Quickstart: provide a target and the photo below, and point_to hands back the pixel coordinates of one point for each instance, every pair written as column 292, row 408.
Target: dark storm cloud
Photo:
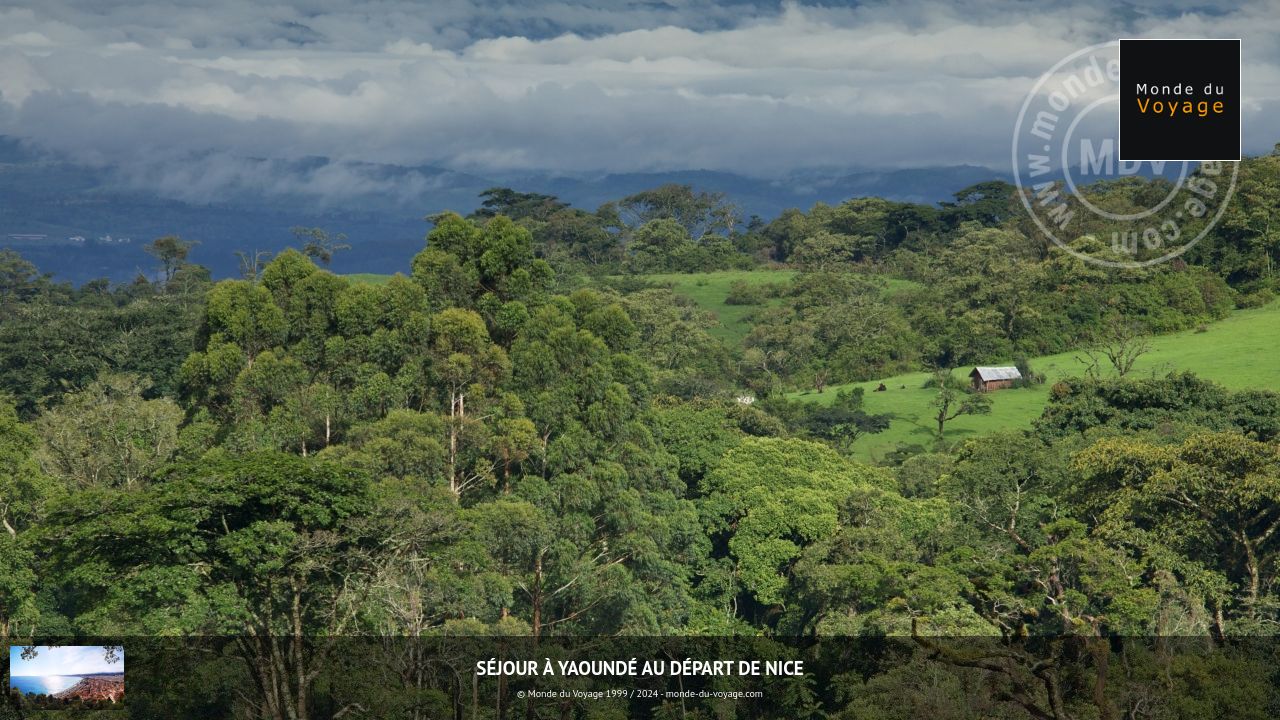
column 751, row 87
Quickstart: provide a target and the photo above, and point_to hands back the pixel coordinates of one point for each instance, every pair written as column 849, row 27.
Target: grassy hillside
column 1238, row 352
column 709, row 290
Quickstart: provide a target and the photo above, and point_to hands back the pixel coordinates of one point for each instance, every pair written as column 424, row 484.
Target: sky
column 64, row 660
column 758, row 88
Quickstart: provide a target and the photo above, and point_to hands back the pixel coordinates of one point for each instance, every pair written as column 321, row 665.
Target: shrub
column 1255, row 299
column 1030, row 378
column 743, row 293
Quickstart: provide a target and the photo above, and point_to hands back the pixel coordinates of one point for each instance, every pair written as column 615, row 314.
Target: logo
column 1180, row 99
column 1087, row 201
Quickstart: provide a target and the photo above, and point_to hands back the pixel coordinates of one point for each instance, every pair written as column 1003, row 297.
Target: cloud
column 64, row 660
column 18, row 77
column 756, row 88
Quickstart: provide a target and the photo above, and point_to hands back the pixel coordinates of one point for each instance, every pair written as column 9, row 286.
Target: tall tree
column 769, row 498
column 318, row 244
column 171, row 251
column 1212, row 501
column 698, row 212
column 19, row 279
column 517, row 205
column 108, row 434
column 268, row 548
column 467, row 364
column 465, row 265
column 246, row 314
column 1122, row 342
column 23, row 488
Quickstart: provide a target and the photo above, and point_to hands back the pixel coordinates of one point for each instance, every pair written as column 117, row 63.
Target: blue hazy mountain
column 81, row 221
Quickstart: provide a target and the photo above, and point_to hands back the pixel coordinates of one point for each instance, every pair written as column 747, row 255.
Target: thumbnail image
column 67, row 674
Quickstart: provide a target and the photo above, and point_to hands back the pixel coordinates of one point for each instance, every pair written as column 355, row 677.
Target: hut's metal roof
column 996, row 373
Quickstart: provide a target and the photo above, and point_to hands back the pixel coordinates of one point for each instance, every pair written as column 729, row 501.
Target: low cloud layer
column 754, row 88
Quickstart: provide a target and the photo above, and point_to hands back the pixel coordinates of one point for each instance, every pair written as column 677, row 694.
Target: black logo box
column 1180, row 64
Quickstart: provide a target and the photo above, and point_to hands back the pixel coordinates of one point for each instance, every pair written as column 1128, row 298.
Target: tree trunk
column 502, row 690
column 1251, row 567
column 1219, row 633
column 457, row 413
column 536, row 598
column 299, row 664
column 1100, row 648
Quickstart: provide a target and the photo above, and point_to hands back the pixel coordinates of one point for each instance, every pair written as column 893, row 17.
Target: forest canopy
column 528, row 434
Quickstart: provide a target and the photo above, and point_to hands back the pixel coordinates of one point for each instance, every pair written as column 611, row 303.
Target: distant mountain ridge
column 82, row 221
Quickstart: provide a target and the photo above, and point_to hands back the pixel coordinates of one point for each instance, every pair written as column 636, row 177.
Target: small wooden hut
column 986, row 379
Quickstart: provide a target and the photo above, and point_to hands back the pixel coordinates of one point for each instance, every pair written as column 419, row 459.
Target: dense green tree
column 265, row 547
column 1182, row 399
column 19, row 279
column 1034, row 571
column 655, row 244
column 767, row 499
column 844, row 421
column 244, row 313
column 1245, row 244
column 573, row 235
column 825, row 252
column 697, row 212
column 833, row 327
column 879, row 572
column 23, row 488
column 986, row 202
column 109, row 435
column 1205, row 509
column 786, row 232
column 517, row 205
column 23, row 492
column 56, row 343
column 467, row 365
column 469, row 266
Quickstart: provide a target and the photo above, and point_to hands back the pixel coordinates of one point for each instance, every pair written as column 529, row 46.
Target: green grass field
column 709, row 290
column 1238, row 352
